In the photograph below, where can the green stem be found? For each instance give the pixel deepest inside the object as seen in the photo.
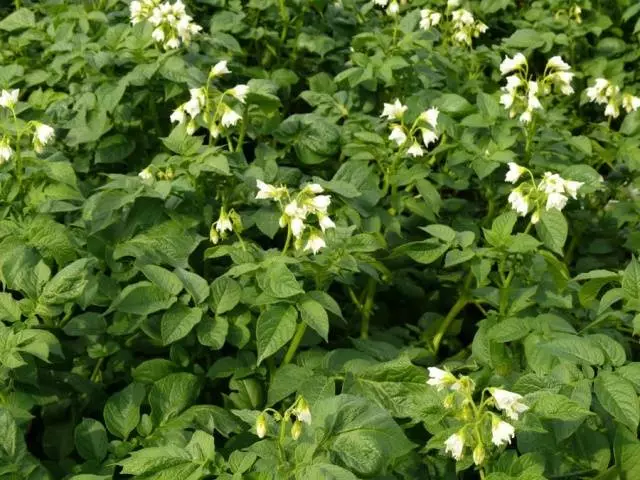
(367, 307)
(243, 128)
(287, 241)
(154, 114)
(295, 343)
(96, 370)
(451, 315)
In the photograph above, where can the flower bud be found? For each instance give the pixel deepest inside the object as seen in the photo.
(478, 454)
(261, 426)
(296, 429)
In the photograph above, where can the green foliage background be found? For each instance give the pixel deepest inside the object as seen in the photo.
(131, 346)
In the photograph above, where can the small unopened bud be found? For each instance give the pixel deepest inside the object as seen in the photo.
(296, 430)
(478, 454)
(449, 400)
(213, 235)
(261, 426)
(302, 411)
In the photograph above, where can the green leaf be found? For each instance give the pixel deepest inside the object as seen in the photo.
(21, 18)
(509, 330)
(452, 103)
(631, 279)
(225, 294)
(279, 282)
(274, 329)
(9, 438)
(553, 229)
(325, 471)
(193, 283)
(154, 459)
(163, 278)
(67, 284)
(177, 322)
(91, 439)
(142, 298)
(574, 348)
(212, 332)
(315, 316)
(359, 435)
(554, 406)
(613, 350)
(122, 410)
(618, 397)
(150, 371)
(171, 395)
(9, 308)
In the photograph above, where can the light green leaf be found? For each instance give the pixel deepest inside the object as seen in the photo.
(279, 282)
(553, 229)
(631, 279)
(274, 329)
(177, 322)
(171, 395)
(162, 278)
(315, 316)
(142, 298)
(212, 332)
(225, 294)
(618, 397)
(122, 410)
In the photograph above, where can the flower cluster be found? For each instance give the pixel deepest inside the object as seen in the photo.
(425, 126)
(300, 410)
(464, 27)
(392, 7)
(198, 109)
(552, 192)
(227, 222)
(172, 24)
(603, 92)
(296, 210)
(521, 93)
(481, 427)
(42, 134)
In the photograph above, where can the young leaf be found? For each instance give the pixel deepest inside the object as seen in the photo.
(274, 329)
(122, 410)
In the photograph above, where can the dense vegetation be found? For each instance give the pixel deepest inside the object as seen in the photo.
(287, 239)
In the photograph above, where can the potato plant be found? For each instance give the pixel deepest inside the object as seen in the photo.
(326, 239)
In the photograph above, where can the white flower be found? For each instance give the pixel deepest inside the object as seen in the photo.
(325, 222)
(526, 116)
(8, 99)
(454, 445)
(158, 34)
(224, 223)
(612, 110)
(440, 379)
(556, 200)
(572, 187)
(479, 28)
(172, 43)
(453, 3)
(501, 432)
(314, 244)
(5, 151)
(267, 191)
(428, 137)
(598, 92)
(381, 3)
(511, 64)
(393, 110)
(462, 16)
(567, 90)
(415, 150)
(514, 173)
(507, 99)
(519, 203)
(513, 82)
(462, 36)
(394, 8)
(313, 188)
(292, 209)
(321, 202)
(431, 116)
(146, 175)
(230, 118)
(508, 402)
(397, 135)
(630, 103)
(552, 183)
(429, 18)
(219, 69)
(42, 135)
(178, 115)
(191, 127)
(557, 63)
(240, 92)
(297, 226)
